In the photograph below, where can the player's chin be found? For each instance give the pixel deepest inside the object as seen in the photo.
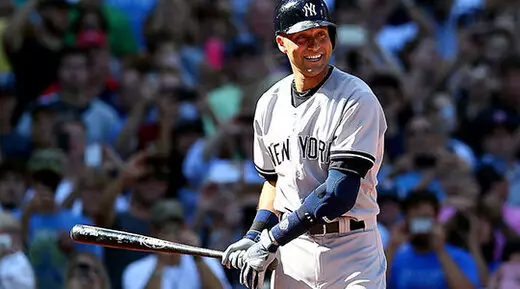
(314, 68)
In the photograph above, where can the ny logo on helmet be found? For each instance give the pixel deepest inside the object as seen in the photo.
(309, 9)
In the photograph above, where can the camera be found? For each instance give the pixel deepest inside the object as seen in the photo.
(425, 161)
(421, 225)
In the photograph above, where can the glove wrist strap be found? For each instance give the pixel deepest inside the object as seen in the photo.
(264, 219)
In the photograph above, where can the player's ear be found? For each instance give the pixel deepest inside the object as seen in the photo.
(281, 44)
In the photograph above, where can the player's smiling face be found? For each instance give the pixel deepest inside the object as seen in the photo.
(309, 51)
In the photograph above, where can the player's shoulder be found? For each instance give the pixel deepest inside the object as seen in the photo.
(272, 94)
(344, 85)
(276, 88)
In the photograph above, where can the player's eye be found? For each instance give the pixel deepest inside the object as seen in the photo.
(301, 40)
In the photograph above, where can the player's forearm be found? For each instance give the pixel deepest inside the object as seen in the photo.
(266, 216)
(330, 200)
(266, 200)
(455, 278)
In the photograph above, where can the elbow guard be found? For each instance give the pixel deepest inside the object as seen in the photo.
(332, 199)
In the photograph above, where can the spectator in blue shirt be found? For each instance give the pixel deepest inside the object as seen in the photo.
(418, 255)
(45, 227)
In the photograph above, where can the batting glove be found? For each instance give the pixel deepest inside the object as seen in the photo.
(256, 260)
(232, 257)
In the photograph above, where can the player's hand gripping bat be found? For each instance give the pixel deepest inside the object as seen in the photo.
(129, 241)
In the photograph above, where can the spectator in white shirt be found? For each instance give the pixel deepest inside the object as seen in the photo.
(15, 269)
(172, 271)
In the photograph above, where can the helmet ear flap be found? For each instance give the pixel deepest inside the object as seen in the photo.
(333, 34)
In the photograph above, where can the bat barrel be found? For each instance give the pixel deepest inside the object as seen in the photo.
(123, 240)
(129, 241)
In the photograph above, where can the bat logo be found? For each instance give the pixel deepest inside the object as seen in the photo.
(284, 225)
(152, 243)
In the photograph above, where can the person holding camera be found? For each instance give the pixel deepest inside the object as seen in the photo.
(418, 255)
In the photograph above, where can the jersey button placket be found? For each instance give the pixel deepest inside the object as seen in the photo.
(295, 143)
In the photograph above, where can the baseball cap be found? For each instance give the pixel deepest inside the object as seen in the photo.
(166, 210)
(91, 39)
(498, 118)
(47, 160)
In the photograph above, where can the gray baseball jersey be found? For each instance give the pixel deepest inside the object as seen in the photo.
(341, 126)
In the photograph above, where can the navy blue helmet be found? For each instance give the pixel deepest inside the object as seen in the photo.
(293, 16)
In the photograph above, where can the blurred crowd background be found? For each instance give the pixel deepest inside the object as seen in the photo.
(137, 115)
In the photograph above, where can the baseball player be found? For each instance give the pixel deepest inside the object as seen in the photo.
(319, 144)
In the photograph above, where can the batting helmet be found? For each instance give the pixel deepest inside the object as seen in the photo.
(293, 16)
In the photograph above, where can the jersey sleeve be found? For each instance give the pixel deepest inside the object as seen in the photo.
(261, 157)
(358, 135)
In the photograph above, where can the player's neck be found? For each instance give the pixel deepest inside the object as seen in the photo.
(304, 83)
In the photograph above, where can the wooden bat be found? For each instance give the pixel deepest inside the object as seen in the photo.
(129, 241)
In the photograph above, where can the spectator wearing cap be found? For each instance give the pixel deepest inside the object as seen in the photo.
(12, 143)
(46, 226)
(101, 84)
(99, 118)
(34, 53)
(499, 151)
(506, 100)
(15, 270)
(168, 271)
(110, 20)
(13, 184)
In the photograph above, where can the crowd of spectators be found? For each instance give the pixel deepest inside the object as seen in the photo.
(137, 115)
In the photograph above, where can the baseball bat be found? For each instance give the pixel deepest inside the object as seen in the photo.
(129, 241)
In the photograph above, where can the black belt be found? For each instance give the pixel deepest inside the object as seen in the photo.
(331, 228)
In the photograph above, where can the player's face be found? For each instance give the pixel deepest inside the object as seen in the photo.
(309, 51)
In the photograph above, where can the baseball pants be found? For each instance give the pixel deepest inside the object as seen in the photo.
(348, 259)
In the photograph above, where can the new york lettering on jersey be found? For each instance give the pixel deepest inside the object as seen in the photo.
(341, 126)
(310, 148)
